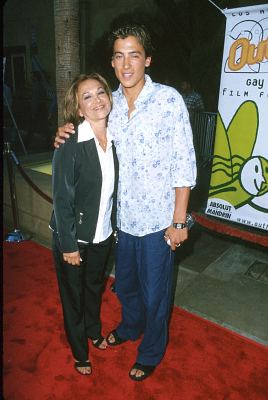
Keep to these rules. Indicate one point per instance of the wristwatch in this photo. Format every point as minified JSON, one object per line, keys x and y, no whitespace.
{"x":187,"y":224}
{"x":179,"y":225}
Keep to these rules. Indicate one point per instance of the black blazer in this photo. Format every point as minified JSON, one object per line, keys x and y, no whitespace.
{"x":76,"y":188}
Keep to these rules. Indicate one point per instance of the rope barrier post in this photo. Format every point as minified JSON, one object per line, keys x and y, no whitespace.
{"x":16,"y":235}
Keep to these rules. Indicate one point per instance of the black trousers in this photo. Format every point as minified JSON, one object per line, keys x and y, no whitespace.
{"x":81,"y":293}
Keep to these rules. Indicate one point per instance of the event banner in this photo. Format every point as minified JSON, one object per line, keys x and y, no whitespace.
{"x":239,"y":178}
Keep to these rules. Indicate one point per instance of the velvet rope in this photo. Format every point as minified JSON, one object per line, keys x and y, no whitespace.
{"x":230,"y":229}
{"x":28,"y":179}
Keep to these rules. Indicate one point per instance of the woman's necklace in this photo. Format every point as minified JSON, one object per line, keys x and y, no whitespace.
{"x":102,"y":139}
{"x":103,"y":143}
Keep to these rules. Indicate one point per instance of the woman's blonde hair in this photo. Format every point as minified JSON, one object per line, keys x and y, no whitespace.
{"x":71,"y":105}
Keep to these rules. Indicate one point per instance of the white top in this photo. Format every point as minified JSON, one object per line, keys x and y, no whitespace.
{"x":104,"y":226}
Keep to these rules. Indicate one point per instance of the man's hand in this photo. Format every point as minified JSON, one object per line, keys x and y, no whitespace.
{"x":176,"y":236}
{"x":72,"y":258}
{"x":63,"y":133}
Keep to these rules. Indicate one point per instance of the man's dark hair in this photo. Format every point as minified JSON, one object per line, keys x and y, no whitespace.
{"x":131,"y":29}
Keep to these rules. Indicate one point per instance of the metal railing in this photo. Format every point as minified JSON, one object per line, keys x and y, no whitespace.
{"x":204,"y":127}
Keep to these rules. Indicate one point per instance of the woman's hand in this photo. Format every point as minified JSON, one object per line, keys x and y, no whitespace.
{"x":72,"y":258}
{"x":63,"y":133}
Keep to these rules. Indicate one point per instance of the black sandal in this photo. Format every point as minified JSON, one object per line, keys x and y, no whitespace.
{"x":117,"y":339}
{"x":82,"y":364}
{"x":146,"y":369}
{"x":97,"y":343}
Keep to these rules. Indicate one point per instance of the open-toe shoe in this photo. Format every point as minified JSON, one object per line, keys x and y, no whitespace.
{"x":117,"y":339}
{"x":146,"y":369}
{"x":83,"y":364}
{"x":98,"y":342}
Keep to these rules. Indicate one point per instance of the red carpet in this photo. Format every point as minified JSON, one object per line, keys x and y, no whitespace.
{"x":203,"y":360}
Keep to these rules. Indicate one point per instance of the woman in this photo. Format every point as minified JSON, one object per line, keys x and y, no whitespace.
{"x":84,"y":180}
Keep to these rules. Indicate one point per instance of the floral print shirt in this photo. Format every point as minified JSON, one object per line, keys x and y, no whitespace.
{"x":156,"y":154}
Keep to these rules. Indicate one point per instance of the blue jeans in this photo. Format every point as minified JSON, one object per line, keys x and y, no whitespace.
{"x":144,"y":271}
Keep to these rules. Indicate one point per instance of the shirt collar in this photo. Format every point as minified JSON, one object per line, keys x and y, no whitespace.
{"x":146,"y":90}
{"x":85,"y":132}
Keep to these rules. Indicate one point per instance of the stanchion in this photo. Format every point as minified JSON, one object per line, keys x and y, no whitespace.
{"x":16,"y":235}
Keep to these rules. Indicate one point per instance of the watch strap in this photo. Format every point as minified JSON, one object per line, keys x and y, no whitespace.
{"x":179,"y":225}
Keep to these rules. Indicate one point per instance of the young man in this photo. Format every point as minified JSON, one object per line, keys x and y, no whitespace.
{"x":153,"y":139}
